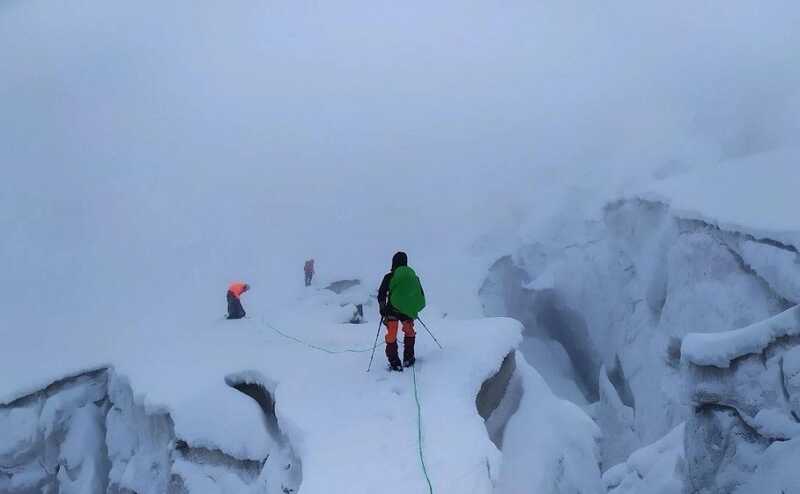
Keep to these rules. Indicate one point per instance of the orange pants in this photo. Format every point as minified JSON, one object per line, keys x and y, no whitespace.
{"x":391,"y":330}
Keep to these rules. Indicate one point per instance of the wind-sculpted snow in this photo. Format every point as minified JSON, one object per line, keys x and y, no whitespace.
{"x":744,"y":394}
{"x":777,"y":266}
{"x":720,"y":349}
{"x":87,"y":434}
{"x":55,"y":437}
{"x":754,"y":196}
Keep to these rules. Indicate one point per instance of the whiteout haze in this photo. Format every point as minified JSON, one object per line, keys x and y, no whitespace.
{"x":600,"y":200}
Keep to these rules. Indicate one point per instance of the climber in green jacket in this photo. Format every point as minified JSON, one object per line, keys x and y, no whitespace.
{"x":400,"y":298}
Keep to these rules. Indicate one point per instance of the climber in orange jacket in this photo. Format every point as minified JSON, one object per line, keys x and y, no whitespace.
{"x":235,"y":309}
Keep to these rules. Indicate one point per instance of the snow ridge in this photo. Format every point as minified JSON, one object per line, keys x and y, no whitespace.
{"x":753,"y":195}
{"x":720,"y":349}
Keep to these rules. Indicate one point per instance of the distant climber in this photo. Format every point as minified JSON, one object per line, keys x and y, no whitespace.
{"x":400,"y":298}
{"x":308,"y":268}
{"x":235,"y":291}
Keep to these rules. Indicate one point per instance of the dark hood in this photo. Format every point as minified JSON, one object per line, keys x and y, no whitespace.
{"x":399,"y":259}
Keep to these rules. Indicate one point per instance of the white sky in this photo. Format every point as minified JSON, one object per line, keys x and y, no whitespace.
{"x":163,"y":147}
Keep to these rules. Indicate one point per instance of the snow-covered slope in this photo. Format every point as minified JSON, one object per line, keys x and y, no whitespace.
{"x":337,"y":427}
{"x":282,"y":402}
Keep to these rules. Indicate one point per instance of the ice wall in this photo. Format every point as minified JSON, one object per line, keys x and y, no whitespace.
{"x":620,"y":292}
{"x":743,"y":434}
{"x":88,"y":434}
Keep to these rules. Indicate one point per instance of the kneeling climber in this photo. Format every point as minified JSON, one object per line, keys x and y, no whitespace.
{"x":235,"y":309}
{"x":400,"y":298}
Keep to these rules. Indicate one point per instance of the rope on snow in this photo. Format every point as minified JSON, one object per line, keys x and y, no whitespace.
{"x":420,"y":450}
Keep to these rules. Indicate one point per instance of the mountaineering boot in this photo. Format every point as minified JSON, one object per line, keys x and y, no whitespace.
{"x":408,"y":351}
{"x":394,"y":359}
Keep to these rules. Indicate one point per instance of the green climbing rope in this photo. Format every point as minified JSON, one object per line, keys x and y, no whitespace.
{"x":416,"y":392}
{"x":419,"y":432}
{"x":315,"y":347}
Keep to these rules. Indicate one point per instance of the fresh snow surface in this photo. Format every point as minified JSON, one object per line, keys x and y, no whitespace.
{"x":719,"y":349}
{"x":756,"y":195}
{"x":353,"y":431}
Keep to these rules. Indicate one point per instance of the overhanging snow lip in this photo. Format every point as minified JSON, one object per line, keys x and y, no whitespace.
{"x":254,"y":385}
{"x":730,"y":345}
{"x":251,"y":377}
{"x":32,"y":388}
{"x":487,"y":398}
{"x":784,"y":239}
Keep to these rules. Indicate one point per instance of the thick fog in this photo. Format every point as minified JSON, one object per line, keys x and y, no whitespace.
{"x":153,"y":151}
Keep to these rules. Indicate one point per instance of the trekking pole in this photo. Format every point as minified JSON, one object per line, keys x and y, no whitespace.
{"x":375,"y":344}
{"x":429,"y":332}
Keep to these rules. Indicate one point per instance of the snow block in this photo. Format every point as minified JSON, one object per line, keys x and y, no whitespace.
{"x":720,"y":349}
{"x":89,"y":434}
{"x":742,"y":386}
{"x":549,"y":444}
